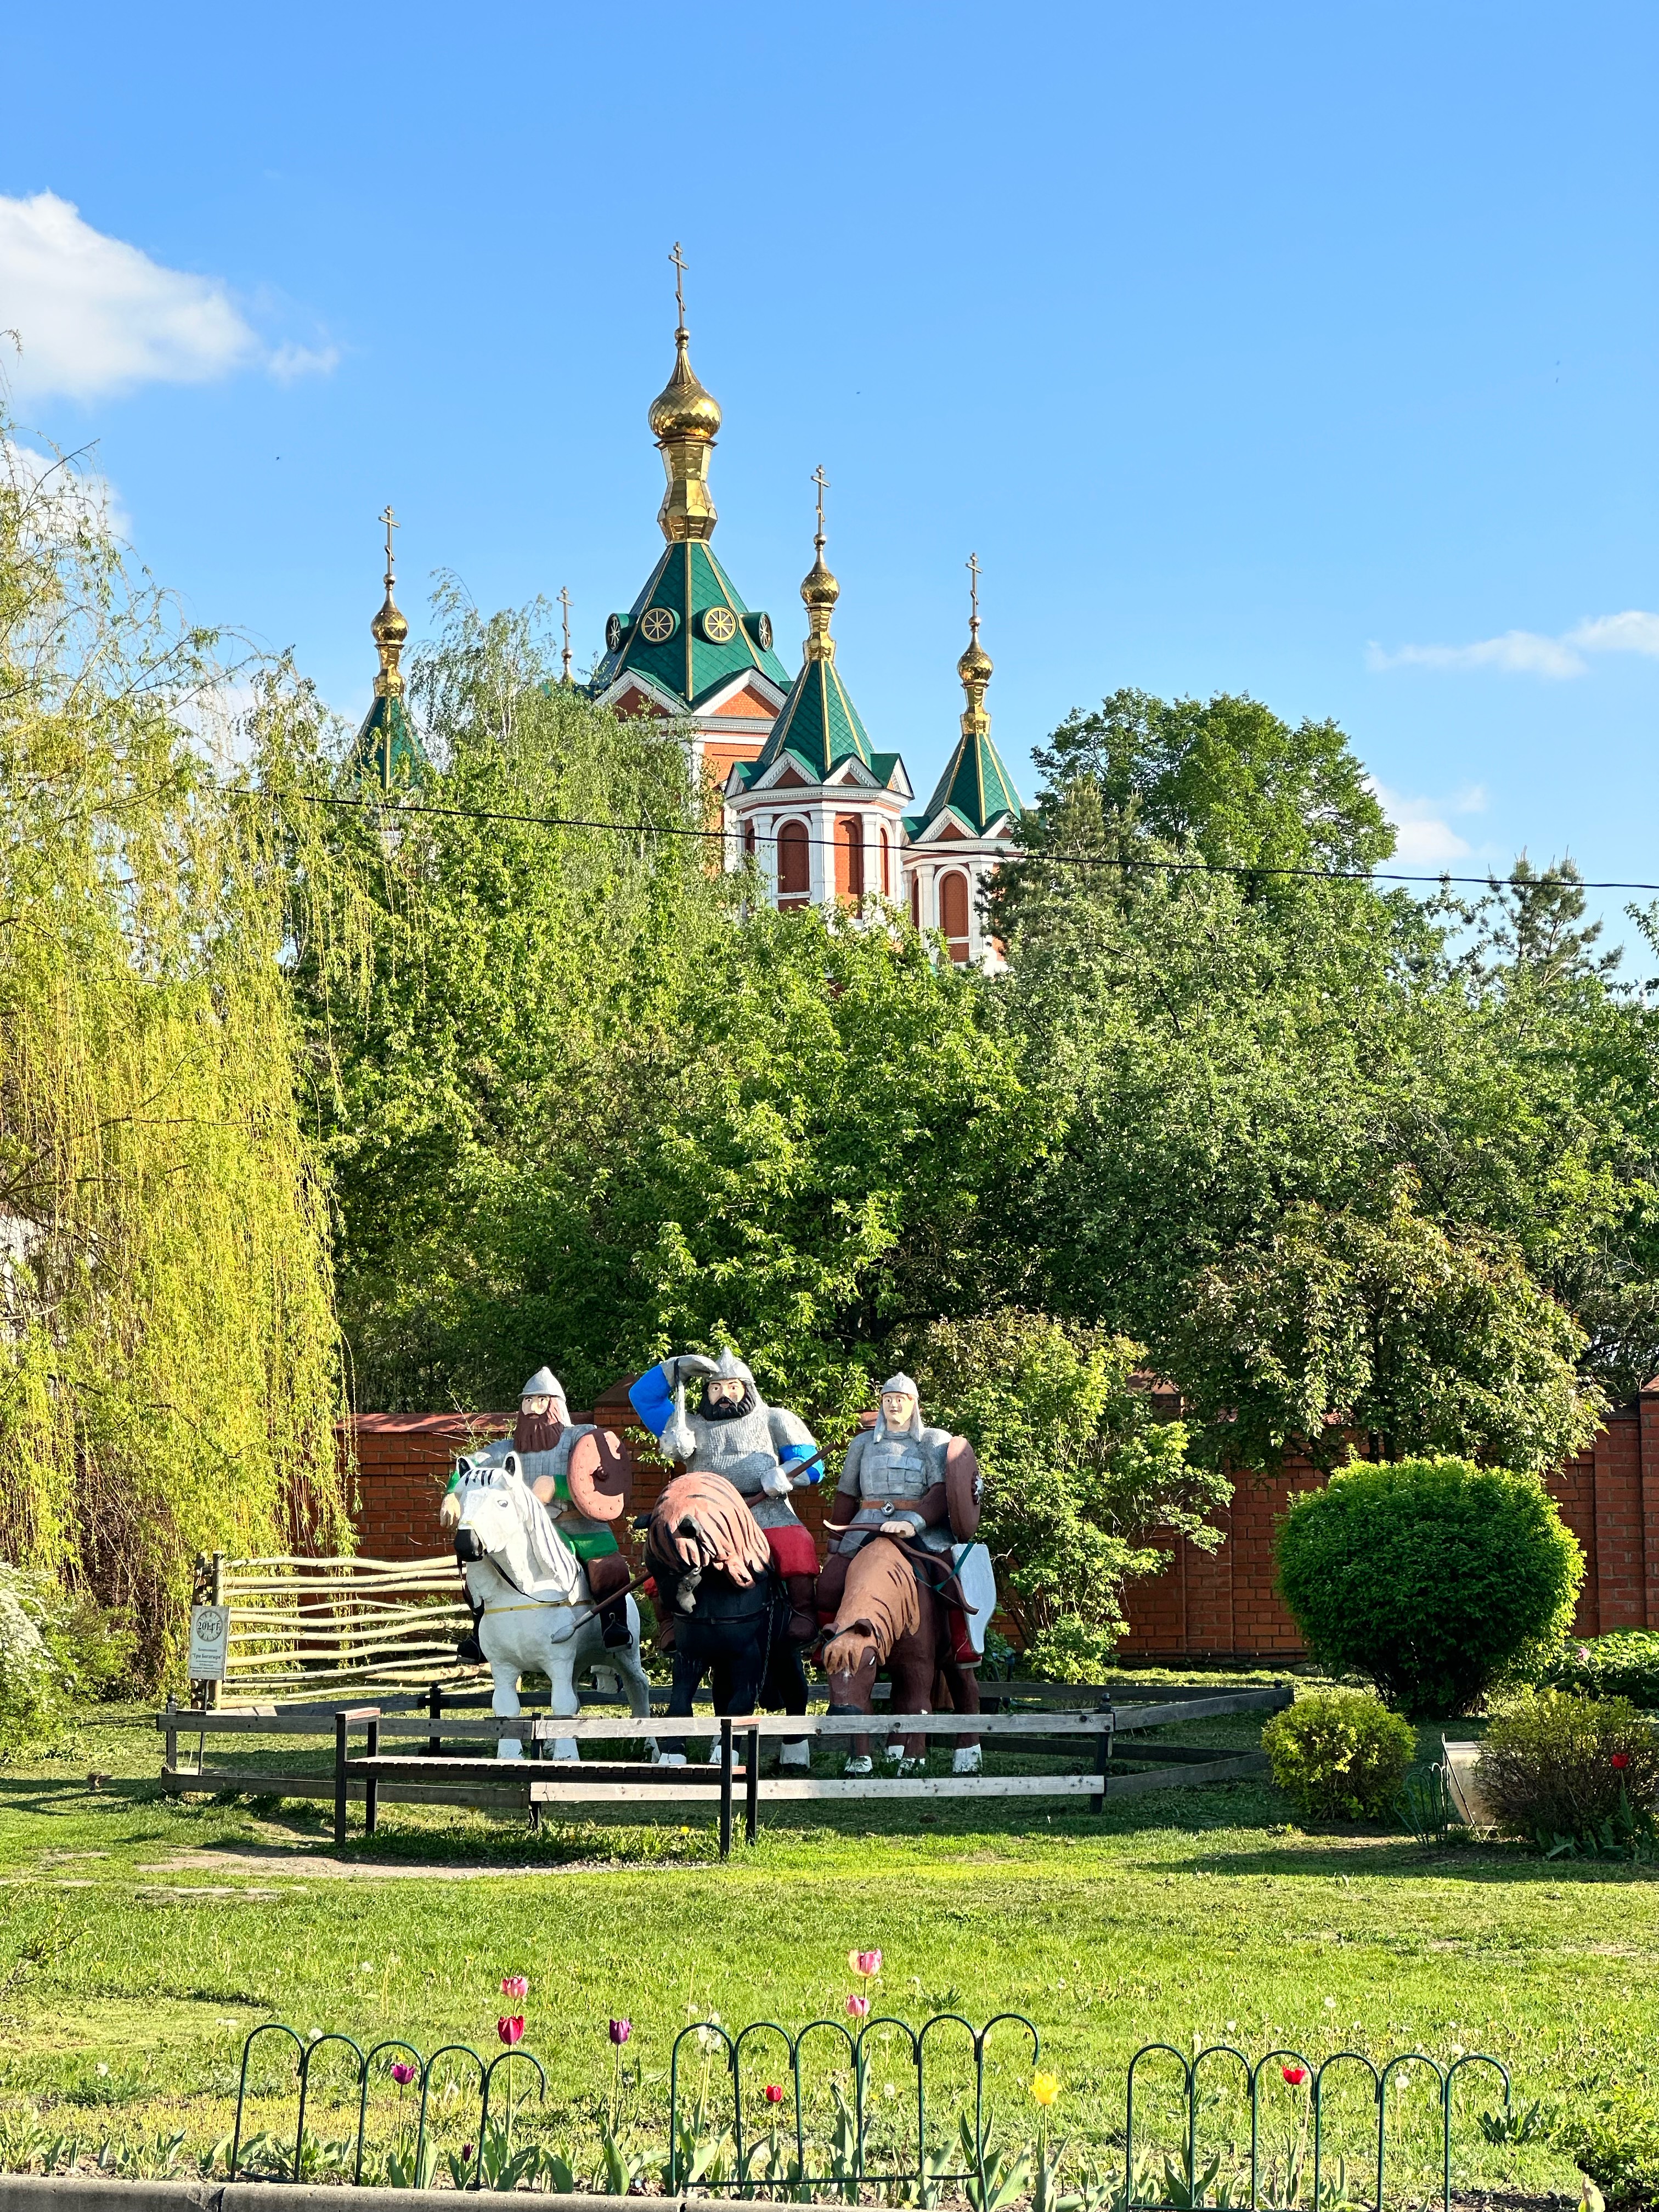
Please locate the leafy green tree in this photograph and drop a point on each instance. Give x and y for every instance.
(1081, 1477)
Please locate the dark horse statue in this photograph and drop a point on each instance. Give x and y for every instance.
(722, 1607)
(895, 1613)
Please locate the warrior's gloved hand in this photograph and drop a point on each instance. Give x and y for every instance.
(777, 1484)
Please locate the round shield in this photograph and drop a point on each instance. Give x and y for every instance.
(962, 1488)
(598, 1476)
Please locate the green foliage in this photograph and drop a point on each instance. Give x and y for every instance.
(1332, 1182)
(1434, 1578)
(1077, 1471)
(168, 1379)
(1339, 1755)
(578, 1109)
(1616, 2142)
(1558, 1768)
(1625, 1663)
(54, 1646)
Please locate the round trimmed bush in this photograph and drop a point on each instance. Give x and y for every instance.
(1339, 1754)
(1434, 1579)
(1561, 1769)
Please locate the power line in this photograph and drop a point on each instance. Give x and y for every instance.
(1066, 859)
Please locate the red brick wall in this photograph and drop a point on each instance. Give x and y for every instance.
(1204, 1605)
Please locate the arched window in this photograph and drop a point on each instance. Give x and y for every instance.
(849, 856)
(953, 913)
(748, 840)
(915, 901)
(794, 865)
(886, 863)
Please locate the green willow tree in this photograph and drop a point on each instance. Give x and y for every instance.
(169, 1377)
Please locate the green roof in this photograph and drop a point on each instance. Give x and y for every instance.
(975, 787)
(686, 586)
(387, 750)
(817, 724)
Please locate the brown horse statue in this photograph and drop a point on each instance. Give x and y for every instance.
(887, 1619)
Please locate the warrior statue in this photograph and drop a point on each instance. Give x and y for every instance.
(577, 1472)
(761, 1450)
(901, 1480)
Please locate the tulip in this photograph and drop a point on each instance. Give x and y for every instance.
(1620, 1759)
(621, 2030)
(1296, 2075)
(858, 2007)
(773, 2094)
(402, 2074)
(516, 1987)
(867, 1964)
(1045, 2088)
(510, 2028)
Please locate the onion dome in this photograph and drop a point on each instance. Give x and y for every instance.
(387, 752)
(685, 408)
(819, 590)
(389, 631)
(684, 418)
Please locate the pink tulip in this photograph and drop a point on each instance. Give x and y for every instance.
(516, 1987)
(621, 2030)
(511, 2029)
(402, 2074)
(858, 2007)
(867, 1963)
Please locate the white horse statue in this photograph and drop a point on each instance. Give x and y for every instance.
(538, 1612)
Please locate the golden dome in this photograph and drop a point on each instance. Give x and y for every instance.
(683, 409)
(976, 666)
(818, 587)
(391, 626)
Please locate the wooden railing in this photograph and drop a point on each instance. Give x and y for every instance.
(303, 1630)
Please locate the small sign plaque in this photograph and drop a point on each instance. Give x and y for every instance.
(210, 1631)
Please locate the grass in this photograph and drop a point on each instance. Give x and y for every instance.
(141, 1939)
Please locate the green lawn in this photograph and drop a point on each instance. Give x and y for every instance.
(142, 1939)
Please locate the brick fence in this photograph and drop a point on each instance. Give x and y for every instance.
(1216, 1605)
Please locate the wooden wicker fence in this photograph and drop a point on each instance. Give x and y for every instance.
(306, 1629)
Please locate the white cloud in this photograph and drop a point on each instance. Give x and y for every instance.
(93, 315)
(63, 496)
(288, 361)
(1526, 653)
(1518, 653)
(1423, 836)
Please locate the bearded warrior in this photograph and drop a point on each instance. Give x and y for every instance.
(577, 1472)
(918, 1484)
(763, 1451)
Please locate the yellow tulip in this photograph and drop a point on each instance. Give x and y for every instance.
(1045, 2088)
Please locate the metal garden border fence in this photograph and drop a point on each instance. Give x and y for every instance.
(1298, 2071)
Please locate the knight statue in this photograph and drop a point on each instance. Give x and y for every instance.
(578, 1473)
(921, 1486)
(763, 1451)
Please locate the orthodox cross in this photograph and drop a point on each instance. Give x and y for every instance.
(822, 483)
(392, 523)
(564, 601)
(678, 260)
(973, 589)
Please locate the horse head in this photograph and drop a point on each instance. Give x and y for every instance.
(879, 1604)
(498, 1518)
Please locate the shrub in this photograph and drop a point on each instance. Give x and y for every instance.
(1617, 2144)
(1434, 1578)
(53, 1646)
(1625, 1664)
(1559, 1768)
(1339, 1755)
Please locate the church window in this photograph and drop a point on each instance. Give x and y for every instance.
(849, 856)
(953, 913)
(887, 863)
(915, 901)
(748, 840)
(794, 865)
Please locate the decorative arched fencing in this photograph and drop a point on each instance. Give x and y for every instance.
(1282, 2108)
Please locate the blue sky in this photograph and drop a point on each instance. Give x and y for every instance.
(1308, 351)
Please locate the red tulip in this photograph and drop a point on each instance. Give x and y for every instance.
(1296, 2075)
(510, 2028)
(1620, 1759)
(773, 2094)
(516, 1987)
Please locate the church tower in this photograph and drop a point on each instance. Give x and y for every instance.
(688, 648)
(386, 751)
(968, 825)
(819, 809)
